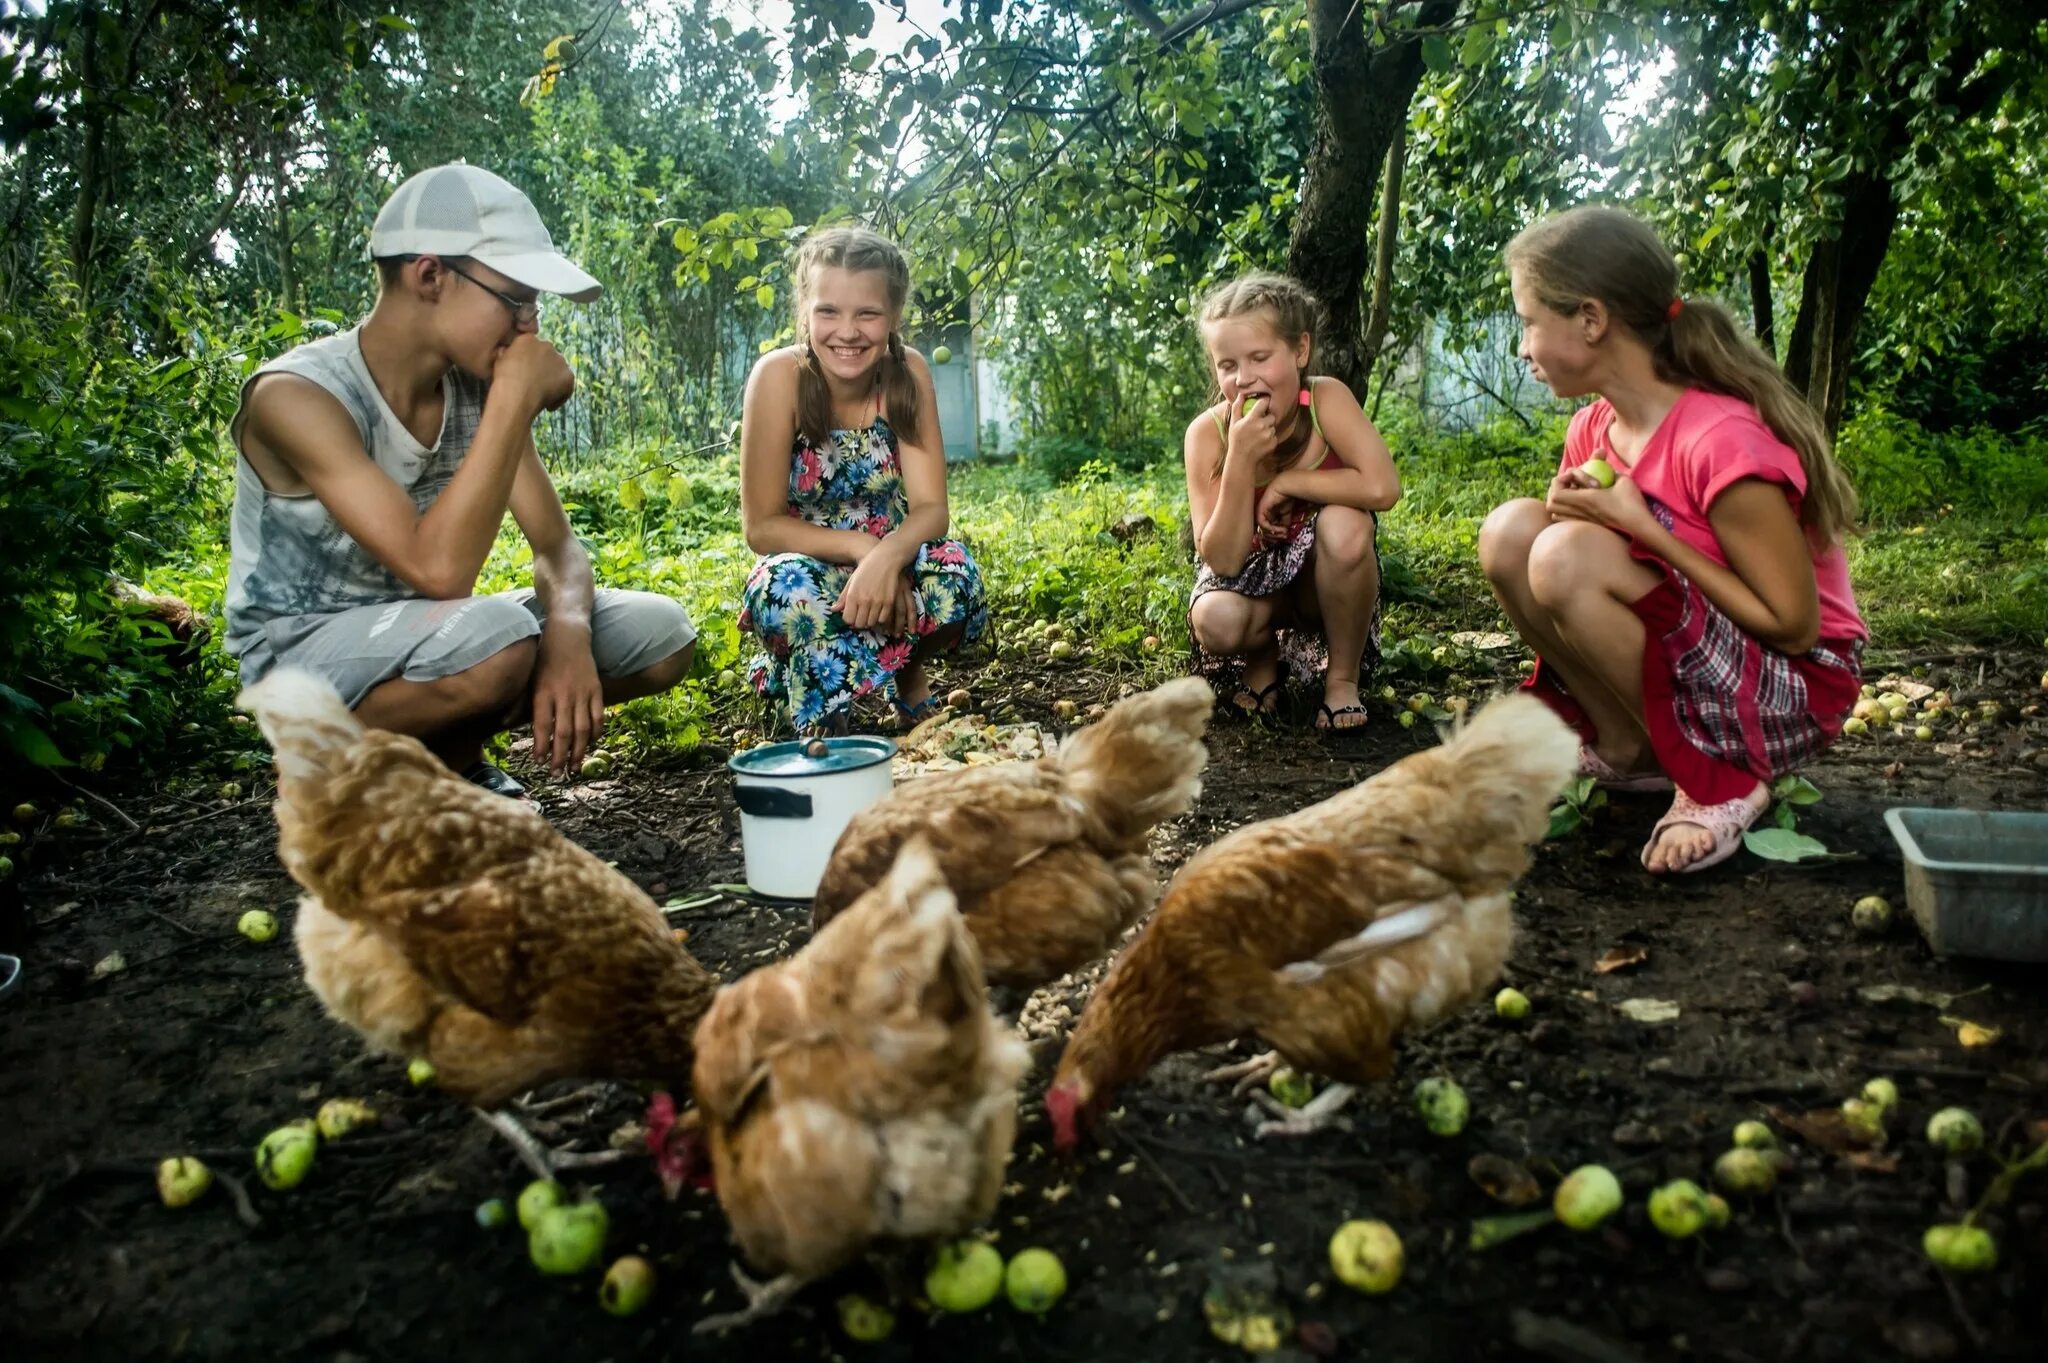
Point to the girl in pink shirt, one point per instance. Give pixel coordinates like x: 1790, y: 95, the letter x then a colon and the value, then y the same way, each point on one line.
x: 1694, y: 619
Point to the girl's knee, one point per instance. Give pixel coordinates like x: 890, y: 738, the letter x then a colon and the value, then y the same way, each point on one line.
x: 1507, y: 534
x: 1568, y: 559
x: 1219, y: 622
x: 1344, y: 536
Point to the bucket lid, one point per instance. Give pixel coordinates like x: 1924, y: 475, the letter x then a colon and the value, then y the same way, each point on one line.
x: 813, y: 756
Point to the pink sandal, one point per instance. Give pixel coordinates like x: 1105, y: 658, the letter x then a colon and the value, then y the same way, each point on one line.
x: 1594, y: 765
x: 1727, y: 822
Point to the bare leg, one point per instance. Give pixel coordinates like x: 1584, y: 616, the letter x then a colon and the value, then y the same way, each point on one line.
x: 1319, y: 1113
x: 652, y: 679
x: 453, y: 715
x: 1608, y: 685
x: 763, y: 1300
x: 913, y: 687
x: 1344, y: 590
x: 1228, y: 625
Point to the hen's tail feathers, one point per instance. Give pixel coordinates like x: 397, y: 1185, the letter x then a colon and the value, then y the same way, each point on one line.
x: 1510, y: 762
x: 304, y: 720
x: 911, y: 940
x: 1142, y: 762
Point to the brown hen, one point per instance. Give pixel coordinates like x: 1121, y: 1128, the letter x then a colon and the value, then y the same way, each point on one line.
x: 1331, y: 931
x: 860, y: 1091
x: 1048, y: 858
x: 443, y: 921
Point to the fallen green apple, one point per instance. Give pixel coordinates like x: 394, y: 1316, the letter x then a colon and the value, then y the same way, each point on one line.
x: 1679, y: 1209
x: 1865, y: 1119
x: 539, y: 1196
x: 1035, y: 1280
x: 1511, y: 1004
x: 595, y: 767
x: 1718, y: 1211
x: 1443, y: 1105
x: 567, y: 1240
x: 1960, y: 1248
x: 1367, y: 1256
x: 1589, y: 1195
x: 285, y: 1156
x: 26, y: 813
x: 1291, y: 1087
x: 1600, y: 471
x: 258, y: 925
x: 1745, y: 1171
x: 1872, y: 914
x: 627, y: 1285
x: 1754, y: 1135
x: 964, y: 1276
x: 339, y: 1116
x: 493, y: 1214
x: 182, y: 1180
x: 1955, y: 1131
x: 420, y: 1071
x: 1883, y: 1092
x: 864, y: 1320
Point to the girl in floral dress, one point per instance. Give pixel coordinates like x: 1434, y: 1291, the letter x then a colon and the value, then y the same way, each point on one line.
x: 843, y: 495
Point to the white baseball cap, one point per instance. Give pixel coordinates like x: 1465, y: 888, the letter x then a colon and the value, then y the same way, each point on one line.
x: 459, y: 210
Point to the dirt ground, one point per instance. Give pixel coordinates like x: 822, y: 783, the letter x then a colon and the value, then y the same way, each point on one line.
x: 204, y: 1042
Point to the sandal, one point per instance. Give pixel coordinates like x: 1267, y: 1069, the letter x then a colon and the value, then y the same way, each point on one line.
x: 1727, y: 822
x: 1603, y: 773
x: 1326, y: 719
x: 910, y: 716
x: 1274, y: 691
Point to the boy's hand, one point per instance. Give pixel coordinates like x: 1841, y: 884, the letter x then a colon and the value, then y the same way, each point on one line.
x: 568, y: 700
x: 534, y: 371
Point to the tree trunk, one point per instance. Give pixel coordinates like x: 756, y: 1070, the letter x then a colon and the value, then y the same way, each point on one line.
x: 1760, y: 305
x: 92, y: 104
x: 287, y: 262
x: 1362, y: 98
x: 1836, y: 286
x: 1383, y: 259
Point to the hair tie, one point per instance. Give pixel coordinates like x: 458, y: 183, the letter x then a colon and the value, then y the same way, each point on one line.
x: 1671, y: 313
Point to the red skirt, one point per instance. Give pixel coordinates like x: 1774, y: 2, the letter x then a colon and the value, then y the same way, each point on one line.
x: 1723, y: 710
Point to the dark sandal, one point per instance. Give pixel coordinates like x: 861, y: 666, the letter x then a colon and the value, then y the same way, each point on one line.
x: 495, y: 779
x: 1326, y: 719
x: 910, y: 716
x: 1274, y: 691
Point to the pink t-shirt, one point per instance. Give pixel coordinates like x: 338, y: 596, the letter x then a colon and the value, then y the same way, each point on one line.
x: 1704, y: 445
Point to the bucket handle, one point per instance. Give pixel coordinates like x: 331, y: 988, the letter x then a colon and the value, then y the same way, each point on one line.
x: 771, y: 802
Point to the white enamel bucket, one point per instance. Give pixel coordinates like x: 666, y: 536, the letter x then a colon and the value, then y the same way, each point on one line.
x: 796, y: 799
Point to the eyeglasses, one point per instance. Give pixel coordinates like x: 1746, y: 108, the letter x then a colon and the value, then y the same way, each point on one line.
x: 524, y: 310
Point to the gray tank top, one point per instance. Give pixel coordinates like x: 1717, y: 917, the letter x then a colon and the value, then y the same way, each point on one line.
x: 289, y: 561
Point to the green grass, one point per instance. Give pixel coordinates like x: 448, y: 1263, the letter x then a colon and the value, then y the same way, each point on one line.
x: 1971, y: 573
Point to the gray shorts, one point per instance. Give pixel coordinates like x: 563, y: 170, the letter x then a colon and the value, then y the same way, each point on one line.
x: 423, y: 640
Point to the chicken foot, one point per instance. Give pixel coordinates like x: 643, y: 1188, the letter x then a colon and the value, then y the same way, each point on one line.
x: 1249, y: 1074
x: 546, y: 1163
x: 1317, y: 1114
x: 763, y: 1300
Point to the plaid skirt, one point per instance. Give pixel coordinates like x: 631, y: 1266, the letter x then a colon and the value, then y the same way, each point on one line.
x: 1723, y: 710
x: 1304, y: 653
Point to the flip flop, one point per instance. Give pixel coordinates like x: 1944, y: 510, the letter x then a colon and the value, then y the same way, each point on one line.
x: 1594, y: 765
x: 1326, y: 719
x: 1274, y: 691
x: 910, y: 716
x: 1727, y: 822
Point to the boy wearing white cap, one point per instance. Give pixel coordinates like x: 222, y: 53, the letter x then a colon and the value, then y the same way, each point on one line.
x: 377, y: 466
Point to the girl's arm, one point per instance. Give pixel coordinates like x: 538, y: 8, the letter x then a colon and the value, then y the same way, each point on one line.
x: 1767, y: 589
x: 922, y: 453
x: 1368, y: 479
x: 1219, y: 509
x: 767, y: 436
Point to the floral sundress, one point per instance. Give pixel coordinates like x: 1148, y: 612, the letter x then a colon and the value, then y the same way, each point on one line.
x: 809, y: 657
